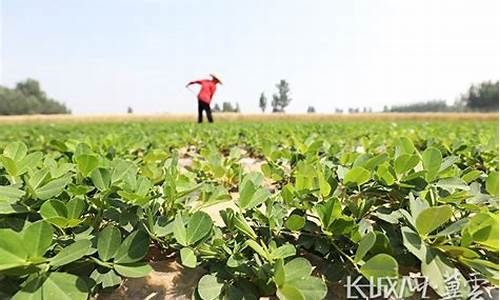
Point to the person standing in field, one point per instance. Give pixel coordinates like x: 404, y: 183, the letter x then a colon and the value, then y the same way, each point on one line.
x: 207, y: 91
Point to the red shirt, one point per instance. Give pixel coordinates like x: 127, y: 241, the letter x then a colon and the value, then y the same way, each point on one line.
x: 207, y: 89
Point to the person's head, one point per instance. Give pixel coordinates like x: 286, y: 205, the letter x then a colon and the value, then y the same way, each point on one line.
x: 216, y: 78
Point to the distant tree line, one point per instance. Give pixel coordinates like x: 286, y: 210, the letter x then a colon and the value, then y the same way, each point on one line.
x: 355, y: 110
x: 28, y: 98
x: 227, y: 107
x: 429, y: 106
x: 482, y: 97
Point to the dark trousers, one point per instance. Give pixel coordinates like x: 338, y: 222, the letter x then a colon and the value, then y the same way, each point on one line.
x: 202, y: 106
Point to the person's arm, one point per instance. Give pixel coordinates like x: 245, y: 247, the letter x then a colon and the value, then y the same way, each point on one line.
x: 193, y: 82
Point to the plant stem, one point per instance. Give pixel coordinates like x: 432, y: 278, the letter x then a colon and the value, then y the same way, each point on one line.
x: 346, y: 256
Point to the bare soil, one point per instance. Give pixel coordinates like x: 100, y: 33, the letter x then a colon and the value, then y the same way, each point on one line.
x: 169, y: 280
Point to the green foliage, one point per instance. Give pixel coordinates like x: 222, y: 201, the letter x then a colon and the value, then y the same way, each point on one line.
x: 28, y: 98
x: 55, y: 285
x: 422, y: 107
x: 209, y: 287
x: 482, y: 97
x: 311, y: 109
x: 282, y: 99
x: 39, y: 235
x: 262, y: 102
x: 380, y: 266
x: 431, y: 160
x: 357, y: 175
x: 295, y: 222
x: 12, y: 252
x: 188, y: 258
x: 294, y: 281
x: 492, y: 184
x: 431, y: 218
x: 81, y: 206
x: 198, y: 227
x: 108, y: 242
x: 227, y: 107
x: 365, y: 244
x: 251, y: 194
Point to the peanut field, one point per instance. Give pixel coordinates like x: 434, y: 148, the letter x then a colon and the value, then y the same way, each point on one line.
x: 286, y: 210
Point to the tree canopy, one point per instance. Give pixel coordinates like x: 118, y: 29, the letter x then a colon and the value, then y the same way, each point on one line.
x: 282, y: 99
x: 28, y: 98
x: 428, y: 106
x: 482, y: 97
x: 262, y: 102
x: 227, y: 107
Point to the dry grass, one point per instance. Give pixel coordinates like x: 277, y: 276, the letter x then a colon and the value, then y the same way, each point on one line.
x: 232, y: 117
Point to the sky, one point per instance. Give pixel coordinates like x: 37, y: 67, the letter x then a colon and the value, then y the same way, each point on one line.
x: 99, y: 57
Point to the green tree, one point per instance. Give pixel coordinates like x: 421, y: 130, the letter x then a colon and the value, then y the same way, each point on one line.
x: 229, y: 107
x: 282, y: 99
x: 428, y: 106
x: 28, y: 98
x: 482, y: 97
x: 30, y: 87
x: 262, y: 102
x: 217, y: 108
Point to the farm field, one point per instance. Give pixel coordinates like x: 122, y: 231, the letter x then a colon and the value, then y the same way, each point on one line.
x: 293, y: 210
x: 239, y: 117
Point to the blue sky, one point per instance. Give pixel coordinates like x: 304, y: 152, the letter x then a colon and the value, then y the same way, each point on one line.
x: 102, y: 56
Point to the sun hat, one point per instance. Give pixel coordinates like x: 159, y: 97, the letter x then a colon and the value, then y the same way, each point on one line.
x: 216, y: 78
